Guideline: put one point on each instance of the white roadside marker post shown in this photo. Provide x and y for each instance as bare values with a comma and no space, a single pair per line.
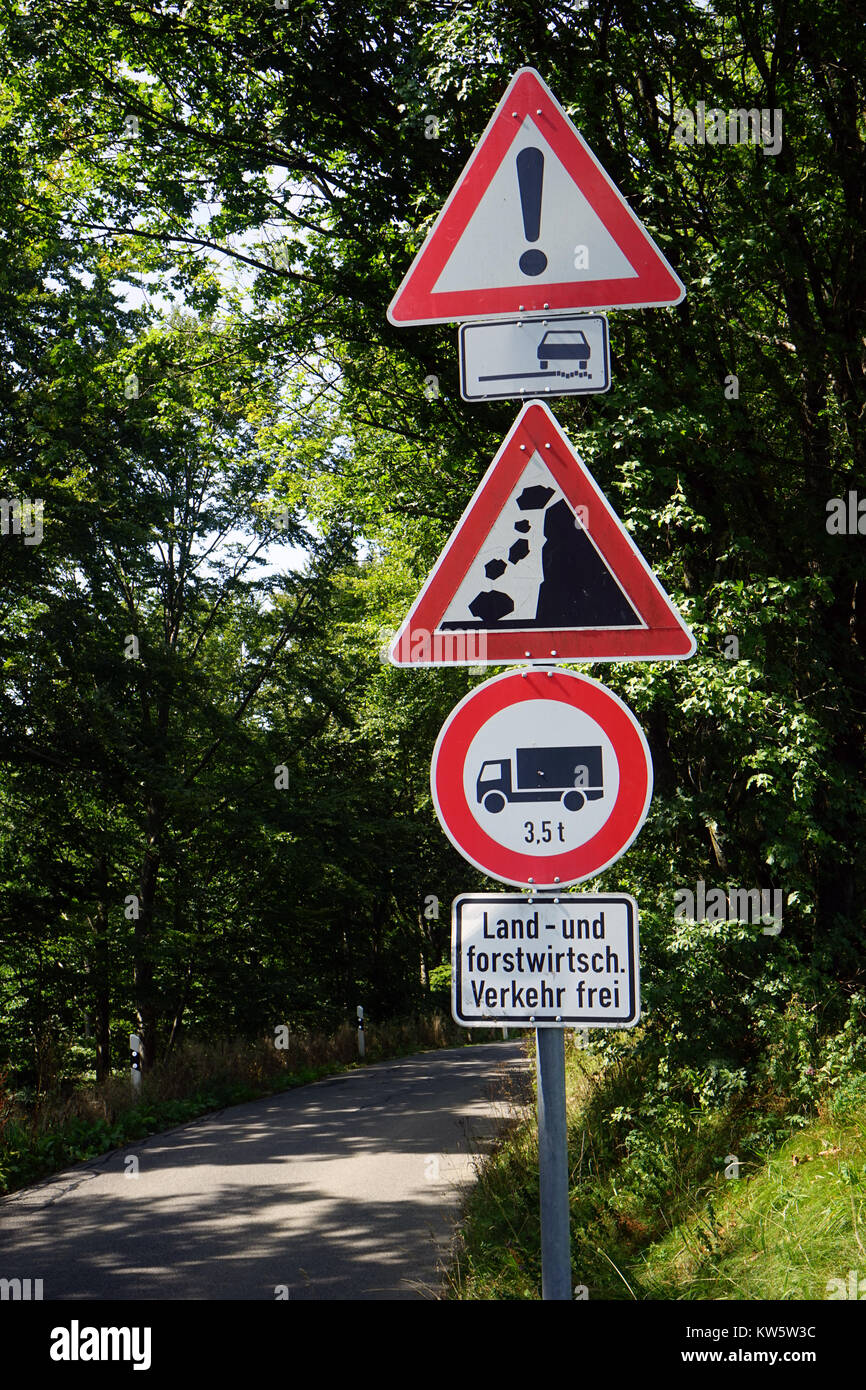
360,1012
135,1061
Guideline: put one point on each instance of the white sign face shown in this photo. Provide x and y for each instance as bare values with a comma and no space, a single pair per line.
545,962
511,568
559,794
565,355
577,245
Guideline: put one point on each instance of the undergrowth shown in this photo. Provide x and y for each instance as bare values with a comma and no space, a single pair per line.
742,1192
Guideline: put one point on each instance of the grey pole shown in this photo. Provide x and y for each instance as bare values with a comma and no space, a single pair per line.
553,1165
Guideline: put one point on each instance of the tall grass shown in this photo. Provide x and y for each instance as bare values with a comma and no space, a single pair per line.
653,1214
785,1231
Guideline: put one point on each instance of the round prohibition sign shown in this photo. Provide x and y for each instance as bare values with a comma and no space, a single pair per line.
541,778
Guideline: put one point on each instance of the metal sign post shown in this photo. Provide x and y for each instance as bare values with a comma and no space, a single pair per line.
549,960
553,1165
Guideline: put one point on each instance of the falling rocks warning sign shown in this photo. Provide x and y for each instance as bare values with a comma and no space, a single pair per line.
539,567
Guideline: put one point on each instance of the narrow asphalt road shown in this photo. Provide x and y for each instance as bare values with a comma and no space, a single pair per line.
346,1189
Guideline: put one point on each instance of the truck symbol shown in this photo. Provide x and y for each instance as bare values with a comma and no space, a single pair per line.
564,345
570,775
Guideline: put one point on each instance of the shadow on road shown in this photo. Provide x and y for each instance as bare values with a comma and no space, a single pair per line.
345,1189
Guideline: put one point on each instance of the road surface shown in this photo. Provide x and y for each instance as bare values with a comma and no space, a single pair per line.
345,1189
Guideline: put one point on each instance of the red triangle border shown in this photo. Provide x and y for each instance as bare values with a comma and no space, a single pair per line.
420,642
656,284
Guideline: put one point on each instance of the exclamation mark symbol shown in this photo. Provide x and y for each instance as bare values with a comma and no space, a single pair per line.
530,177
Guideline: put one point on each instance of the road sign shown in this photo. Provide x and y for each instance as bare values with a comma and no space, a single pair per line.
540,568
561,355
541,778
533,223
545,961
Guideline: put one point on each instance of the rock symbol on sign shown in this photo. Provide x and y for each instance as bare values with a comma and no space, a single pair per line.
540,566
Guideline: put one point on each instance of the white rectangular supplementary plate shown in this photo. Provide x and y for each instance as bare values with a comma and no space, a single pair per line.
553,355
545,961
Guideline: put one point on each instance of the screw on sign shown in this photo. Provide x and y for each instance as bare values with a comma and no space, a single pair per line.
542,778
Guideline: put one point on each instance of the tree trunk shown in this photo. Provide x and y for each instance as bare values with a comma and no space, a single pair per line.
102,977
147,1013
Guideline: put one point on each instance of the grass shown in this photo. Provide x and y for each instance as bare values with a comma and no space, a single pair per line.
57,1130
784,1232
653,1215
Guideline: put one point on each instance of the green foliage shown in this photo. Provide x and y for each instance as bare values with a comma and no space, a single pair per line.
235,252
658,1208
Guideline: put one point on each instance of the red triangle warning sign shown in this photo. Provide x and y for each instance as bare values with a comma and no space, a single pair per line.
540,568
533,223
